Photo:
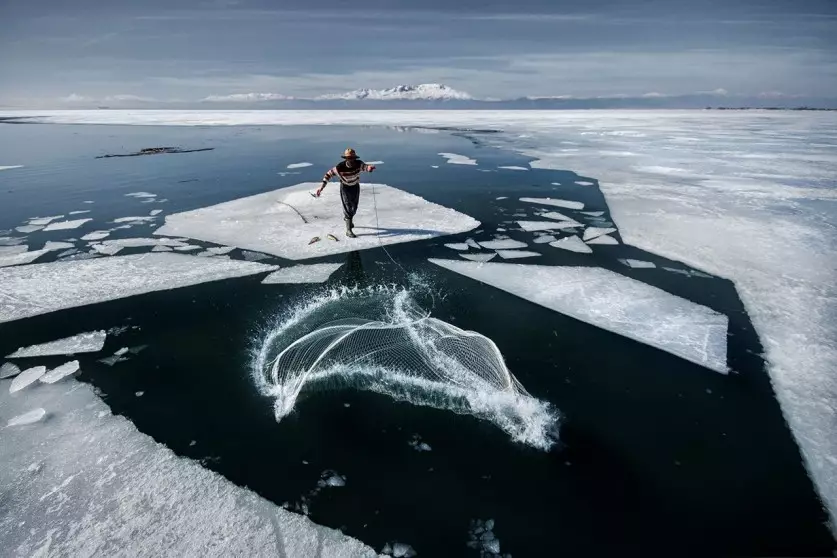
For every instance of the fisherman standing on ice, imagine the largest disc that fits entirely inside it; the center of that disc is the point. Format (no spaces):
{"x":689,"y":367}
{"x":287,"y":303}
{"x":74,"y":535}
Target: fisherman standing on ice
{"x":349,"y":173}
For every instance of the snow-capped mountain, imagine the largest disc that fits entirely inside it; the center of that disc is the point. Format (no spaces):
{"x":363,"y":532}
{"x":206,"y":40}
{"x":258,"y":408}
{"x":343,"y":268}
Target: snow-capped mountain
{"x":421,"y":92}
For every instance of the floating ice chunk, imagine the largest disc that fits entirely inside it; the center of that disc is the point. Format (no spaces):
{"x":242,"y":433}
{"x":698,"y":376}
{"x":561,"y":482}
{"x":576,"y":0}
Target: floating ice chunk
{"x":484,"y":257}
{"x":90,"y":342}
{"x":26,"y":378}
{"x":141,"y":242}
{"x":502,"y":198}
{"x":121,"y":351}
{"x":60,"y":372}
{"x":13,"y":250}
{"x":615,"y":303}
{"x":559,"y":217}
{"x":22,"y":258}
{"x":458,"y":245}
{"x":66,"y":225}
{"x":374,"y":162}
{"x":593,"y":232}
{"x":219,"y":250}
{"x":9,"y":370}
{"x":513,"y":254}
{"x":10,"y":241}
{"x":33,"y":416}
{"x":544,"y":239}
{"x":434,"y":166}
{"x":29,"y":228}
{"x":155,"y":212}
{"x":604,"y":239}
{"x":187,"y":248}
{"x":513,"y":167}
{"x":96,"y":235}
{"x":593,"y":213}
{"x":133,"y":219}
{"x":161,"y":249}
{"x":79,"y":212}
{"x":472,"y":243}
{"x":44,"y":220}
{"x":51,"y":246}
{"x":254,"y":256}
{"x":573,"y":244}
{"x":10,"y":167}
{"x":402,"y":550}
{"x":505,"y":244}
{"x":141,"y":195}
{"x":43,"y":288}
{"x":283,"y":221}
{"x":584,"y":183}
{"x":637,"y":264}
{"x":106,"y":249}
{"x":81,"y":256}
{"x":557,"y":203}
{"x":313,"y":273}
{"x":66,"y":253}
{"x":531,"y":226}
{"x":455,"y":159}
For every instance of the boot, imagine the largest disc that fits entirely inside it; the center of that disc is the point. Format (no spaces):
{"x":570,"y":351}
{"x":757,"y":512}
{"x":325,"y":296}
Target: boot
{"x":349,"y":226}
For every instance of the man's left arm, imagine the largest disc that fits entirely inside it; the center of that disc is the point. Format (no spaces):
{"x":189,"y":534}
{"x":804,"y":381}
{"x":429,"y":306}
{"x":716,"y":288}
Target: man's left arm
{"x":367,"y":168}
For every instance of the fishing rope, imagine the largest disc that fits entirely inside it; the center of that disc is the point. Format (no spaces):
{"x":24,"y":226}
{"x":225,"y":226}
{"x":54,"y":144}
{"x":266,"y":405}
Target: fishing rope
{"x":378,"y":231}
{"x":304,"y":220}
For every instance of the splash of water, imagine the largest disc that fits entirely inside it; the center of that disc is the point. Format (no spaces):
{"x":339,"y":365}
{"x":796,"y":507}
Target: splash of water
{"x":379,"y":339}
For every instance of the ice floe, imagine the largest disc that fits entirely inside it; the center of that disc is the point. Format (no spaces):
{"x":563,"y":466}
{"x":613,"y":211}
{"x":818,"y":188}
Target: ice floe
{"x":44,"y":220}
{"x":472,"y":243}
{"x":31,"y":417}
{"x":554,"y":202}
{"x":504,"y":244}
{"x":14,"y":250}
{"x":593,"y":232}
{"x":134,"y":219}
{"x":107,"y":249}
{"x":27,"y":378}
{"x":161,"y":249}
{"x":60,"y":372}
{"x":11,"y":241}
{"x":42,"y":288}
{"x":220,"y":250}
{"x":398,"y":550}
{"x":514,"y":254}
{"x":584,"y":183}
{"x":455,"y":159}
{"x":502,"y":198}
{"x":141,"y":195}
{"x":637,"y":264}
{"x":573,"y":244}
{"x":9,"y":370}
{"x":190,"y":248}
{"x":141,"y":242}
{"x":312,"y":273}
{"x":66,"y":225}
{"x":254,"y":256}
{"x":282,"y":222}
{"x":531,"y":226}
{"x":604,"y":239}
{"x":457,"y":245}
{"x":96,"y":235}
{"x":66,"y":253}
{"x":544,"y":239}
{"x":513,"y":167}
{"x":89,"y":342}
{"x":481,"y":537}
{"x":298,"y":165}
{"x":481,"y":257}
{"x":21,"y":258}
{"x":558,"y":217}
{"x":79,"y":212}
{"x":10,"y":167}
{"x":155,"y":212}
{"x":615,"y":303}
{"x":26,"y":229}
{"x":593,"y":213}
{"x":416,"y":443}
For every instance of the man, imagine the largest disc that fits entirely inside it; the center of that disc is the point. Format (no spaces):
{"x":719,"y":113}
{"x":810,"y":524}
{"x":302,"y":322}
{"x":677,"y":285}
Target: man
{"x":348,"y":172}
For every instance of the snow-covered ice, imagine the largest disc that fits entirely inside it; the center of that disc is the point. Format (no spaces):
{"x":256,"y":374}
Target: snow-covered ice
{"x":593,"y":232}
{"x":558,"y":217}
{"x":615,"y":303}
{"x":9,"y":370}
{"x":573,"y":244}
{"x":457,"y":245}
{"x":254,"y":256}
{"x":637,"y":264}
{"x":6,"y":251}
{"x":31,"y":417}
{"x":66,"y":225}
{"x":26,"y":229}
{"x":107,"y":249}
{"x":22,"y":258}
{"x":42,"y":288}
{"x":89,"y":342}
{"x":603,"y":239}
{"x":544,"y":239}
{"x":27,"y":378}
{"x":455,"y":159}
{"x":514,"y":254}
{"x":569,"y":204}
{"x":298,"y":165}
{"x":482,"y":257}
{"x":312,"y":273}
{"x":531,"y":226}
{"x":60,"y":372}
{"x":155,"y":212}
{"x":96,"y":235}
{"x":188,"y":248}
{"x":287,"y":219}
{"x":504,"y":244}
{"x":44,"y":220}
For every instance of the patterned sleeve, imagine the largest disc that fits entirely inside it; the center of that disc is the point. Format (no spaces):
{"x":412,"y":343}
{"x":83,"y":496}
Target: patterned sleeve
{"x":364,"y":167}
{"x":332,"y":172}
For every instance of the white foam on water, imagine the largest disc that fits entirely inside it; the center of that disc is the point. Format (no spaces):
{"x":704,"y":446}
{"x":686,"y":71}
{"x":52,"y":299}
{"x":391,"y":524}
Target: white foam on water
{"x":60,"y":372}
{"x":615,"y":303}
{"x":455,"y":159}
{"x":9,"y":370}
{"x":484,"y":257}
{"x":282,"y":222}
{"x":513,"y":167}
{"x":31,"y":417}
{"x":96,"y":235}
{"x":312,"y":273}
{"x":66,"y":225}
{"x":573,"y":244}
{"x":505,"y":244}
{"x":90,"y":342}
{"x":515,"y":254}
{"x":531,"y":226}
{"x":604,"y":239}
{"x":379,"y":340}
{"x":593,"y":213}
{"x":544,"y":239}
{"x":457,"y":245}
{"x":86,"y":482}
{"x":298,"y":165}
{"x":569,"y":204}
{"x":637,"y":264}
{"x":44,"y":220}
{"x":29,"y":228}
{"x":27,"y":378}
{"x":10,"y":167}
{"x":42,"y":288}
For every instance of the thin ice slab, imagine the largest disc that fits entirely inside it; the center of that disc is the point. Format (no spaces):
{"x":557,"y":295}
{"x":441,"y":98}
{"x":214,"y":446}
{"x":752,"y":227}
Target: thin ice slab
{"x":31,"y":417}
{"x":615,"y":303}
{"x":89,"y":342}
{"x":9,"y":370}
{"x":515,"y":254}
{"x":455,"y":159}
{"x":42,"y":288}
{"x":592,"y":232}
{"x":298,"y":165}
{"x":60,"y":372}
{"x":503,"y":244}
{"x":66,"y":225}
{"x":604,"y":239}
{"x":531,"y":226}
{"x":96,"y":235}
{"x":314,"y":273}
{"x":637,"y":264}
{"x":27,"y":378}
{"x":513,"y":167}
{"x":461,"y":246}
{"x":573,"y":244}
{"x":545,"y":239}
{"x":569,"y":204}
{"x":284,"y":221}
{"x":482,"y":257}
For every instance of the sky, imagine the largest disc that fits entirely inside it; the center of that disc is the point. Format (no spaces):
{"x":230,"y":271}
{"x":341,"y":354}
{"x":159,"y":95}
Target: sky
{"x":57,"y":54}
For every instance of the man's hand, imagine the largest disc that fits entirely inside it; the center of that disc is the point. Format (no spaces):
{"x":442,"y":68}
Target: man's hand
{"x":370,"y":168}
{"x":319,"y":191}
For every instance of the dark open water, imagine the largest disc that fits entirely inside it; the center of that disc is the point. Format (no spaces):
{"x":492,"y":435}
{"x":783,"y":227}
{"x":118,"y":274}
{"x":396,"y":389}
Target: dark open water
{"x":658,"y":456}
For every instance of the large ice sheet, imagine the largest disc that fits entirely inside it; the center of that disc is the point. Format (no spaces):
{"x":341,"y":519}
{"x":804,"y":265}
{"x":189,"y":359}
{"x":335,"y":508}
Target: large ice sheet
{"x":282,"y":222}
{"x":613,"y":302}
{"x":313,"y":273}
{"x":569,"y":204}
{"x":88,"y":483}
{"x":89,"y":342}
{"x":43,"y":288}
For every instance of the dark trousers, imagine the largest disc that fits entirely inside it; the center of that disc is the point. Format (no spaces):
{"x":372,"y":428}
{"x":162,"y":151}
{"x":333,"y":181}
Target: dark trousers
{"x":349,"y":195}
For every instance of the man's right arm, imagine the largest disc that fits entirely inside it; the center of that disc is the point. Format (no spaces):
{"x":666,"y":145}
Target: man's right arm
{"x":332,"y":172}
